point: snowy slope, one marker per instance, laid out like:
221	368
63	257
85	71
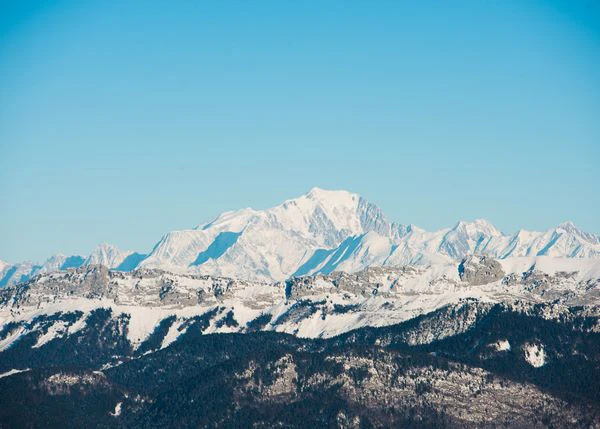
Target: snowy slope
319	232
269	244
316	306
324	231
104	254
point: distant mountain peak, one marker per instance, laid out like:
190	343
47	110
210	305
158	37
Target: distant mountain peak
475	229
317	232
405	229
108	255
106	246
327	199
329	194
568	226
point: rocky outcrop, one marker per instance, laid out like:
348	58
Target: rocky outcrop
479	270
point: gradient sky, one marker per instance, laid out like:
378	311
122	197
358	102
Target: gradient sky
122	121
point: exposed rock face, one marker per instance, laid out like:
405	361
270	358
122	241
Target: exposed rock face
479	270
110	349
313	306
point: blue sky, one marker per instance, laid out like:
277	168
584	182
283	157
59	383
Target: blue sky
122	121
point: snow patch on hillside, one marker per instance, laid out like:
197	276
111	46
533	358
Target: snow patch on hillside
502	345
535	355
13	372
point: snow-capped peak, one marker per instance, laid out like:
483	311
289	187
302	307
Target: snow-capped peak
271	243
331	197
295	214
478	226
571	229
319	214
108	255
320	230
233	219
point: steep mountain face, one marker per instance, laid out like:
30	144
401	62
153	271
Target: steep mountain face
269	244
106	255
324	231
320	232
465	238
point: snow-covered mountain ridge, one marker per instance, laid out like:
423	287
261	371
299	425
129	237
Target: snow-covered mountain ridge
320	232
313	306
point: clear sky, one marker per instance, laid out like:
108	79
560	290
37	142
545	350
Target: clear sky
122	121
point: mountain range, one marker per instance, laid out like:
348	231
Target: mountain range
318	312
479	343
320	232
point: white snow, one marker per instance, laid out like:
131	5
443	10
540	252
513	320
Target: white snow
56	330
535	355
142	322
108	255
77	326
502	345
13	371
321	231
402	294
11	338
272	244
172	334
117	411
59	329
586	268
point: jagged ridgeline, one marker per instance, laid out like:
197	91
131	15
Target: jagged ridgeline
481	342
320	232
315	313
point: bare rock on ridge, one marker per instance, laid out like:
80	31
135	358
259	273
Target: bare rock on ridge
479	270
